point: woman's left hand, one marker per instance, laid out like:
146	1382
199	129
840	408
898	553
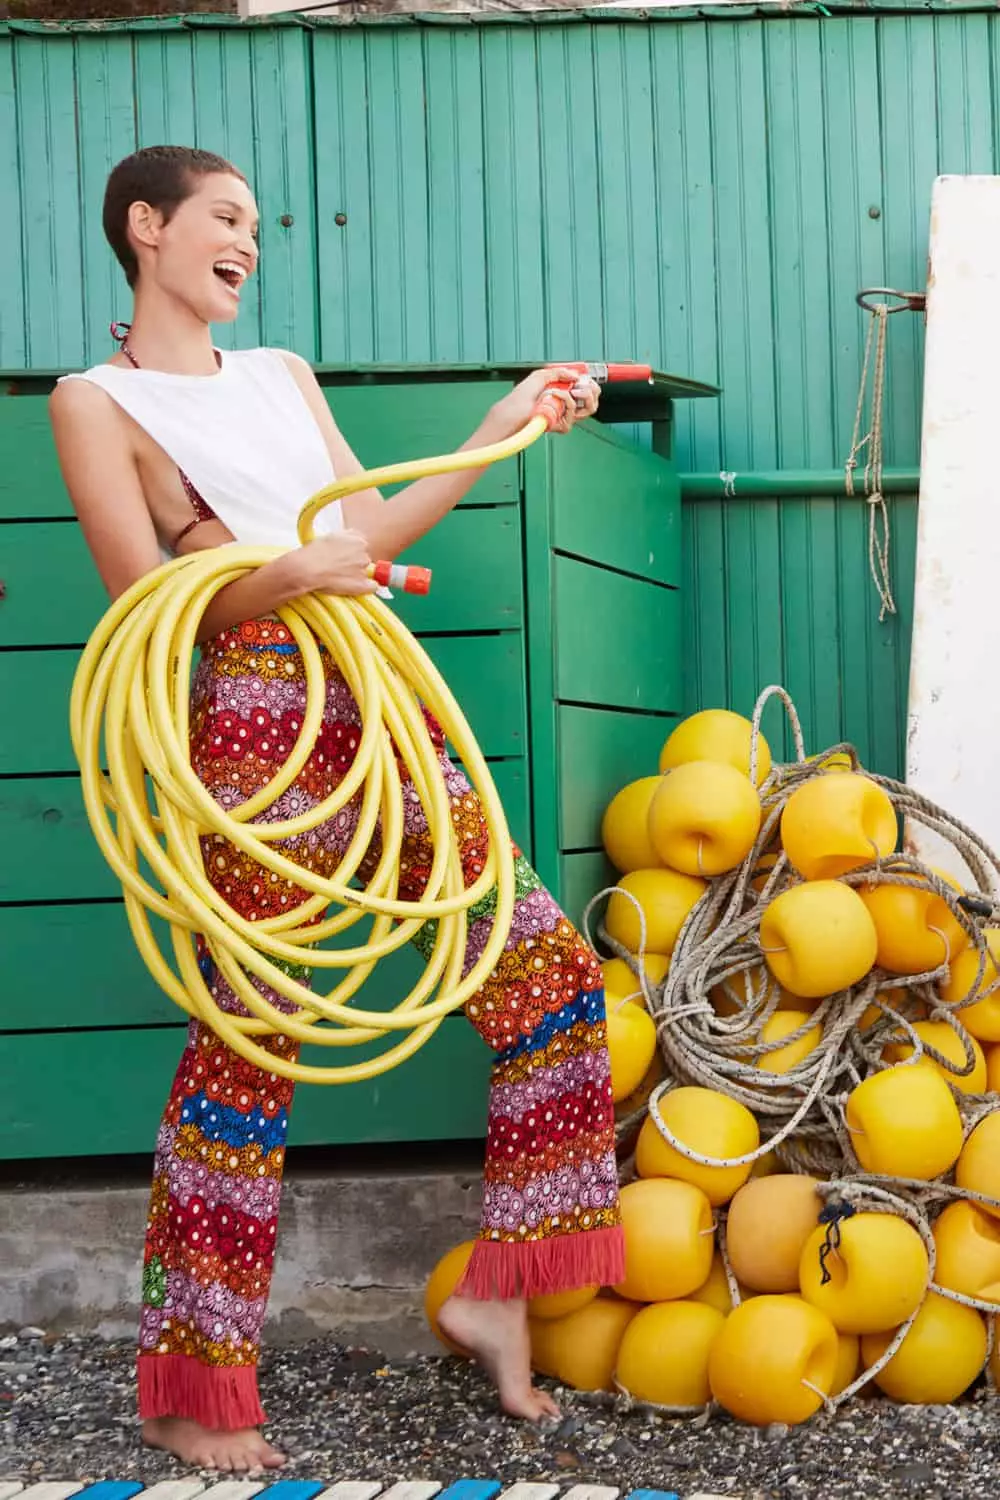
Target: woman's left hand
513	411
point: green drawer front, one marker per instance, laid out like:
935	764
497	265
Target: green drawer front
485	673
599	753
55	598
64	966
73	966
616	505
476	559
390	424
104	1093
581	876
49	852
30	482
616	639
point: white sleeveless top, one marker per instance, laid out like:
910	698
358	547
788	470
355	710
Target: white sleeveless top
245	438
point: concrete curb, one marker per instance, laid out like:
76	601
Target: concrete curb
354	1253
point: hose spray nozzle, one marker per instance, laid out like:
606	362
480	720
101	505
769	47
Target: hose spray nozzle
549	406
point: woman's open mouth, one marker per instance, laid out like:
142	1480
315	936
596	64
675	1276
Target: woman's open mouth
232	274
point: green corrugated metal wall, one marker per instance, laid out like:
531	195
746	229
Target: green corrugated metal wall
708	195
780	591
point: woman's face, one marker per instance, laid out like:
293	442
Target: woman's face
204	254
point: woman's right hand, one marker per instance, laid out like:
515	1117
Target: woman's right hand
337	564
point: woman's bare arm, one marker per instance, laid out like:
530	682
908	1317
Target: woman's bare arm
100	473
392	526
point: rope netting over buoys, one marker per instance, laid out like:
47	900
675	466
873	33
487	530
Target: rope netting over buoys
874	1088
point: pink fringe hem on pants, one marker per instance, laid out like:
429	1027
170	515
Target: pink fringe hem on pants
536	1268
221	1397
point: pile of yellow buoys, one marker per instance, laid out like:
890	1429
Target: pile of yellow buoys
804	1038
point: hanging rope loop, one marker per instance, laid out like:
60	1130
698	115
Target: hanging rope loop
871	446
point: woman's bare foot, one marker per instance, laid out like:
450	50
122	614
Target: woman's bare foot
496	1334
239	1452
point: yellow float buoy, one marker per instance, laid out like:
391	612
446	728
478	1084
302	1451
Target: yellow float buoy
637	1100
710	1123
784	1023
833	824
664	1353
978	1169
773	1360
901	1000
560	1304
714	1291
441	1283
581	1350
624	831
806	1003
834	764
943	1038
818	937
669	1240
631	1044
905	1123
968	1251
878	1273
666	898
848	1362
916	929
704	818
938	1359
982	1018
755	987
993	1070
619	977
769	1221
716	734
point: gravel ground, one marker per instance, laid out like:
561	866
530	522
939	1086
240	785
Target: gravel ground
66	1412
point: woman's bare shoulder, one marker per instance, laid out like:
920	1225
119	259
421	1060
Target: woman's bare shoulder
299	368
77	396
292	360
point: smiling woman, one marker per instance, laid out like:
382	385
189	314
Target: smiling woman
173	446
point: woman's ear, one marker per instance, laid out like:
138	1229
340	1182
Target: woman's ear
144	224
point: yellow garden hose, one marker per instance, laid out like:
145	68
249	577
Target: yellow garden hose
150	810
133	681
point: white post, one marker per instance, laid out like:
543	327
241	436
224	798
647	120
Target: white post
953	728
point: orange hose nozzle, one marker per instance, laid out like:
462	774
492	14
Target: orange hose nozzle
409	579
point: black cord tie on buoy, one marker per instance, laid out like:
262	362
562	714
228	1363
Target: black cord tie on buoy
831	1215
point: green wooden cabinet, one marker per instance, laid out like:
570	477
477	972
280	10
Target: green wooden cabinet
554	616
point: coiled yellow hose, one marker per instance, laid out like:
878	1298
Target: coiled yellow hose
133	683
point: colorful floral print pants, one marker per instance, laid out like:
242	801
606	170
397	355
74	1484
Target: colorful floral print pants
550	1217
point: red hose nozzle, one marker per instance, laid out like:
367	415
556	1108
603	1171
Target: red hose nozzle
611	374
549	406
409	579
